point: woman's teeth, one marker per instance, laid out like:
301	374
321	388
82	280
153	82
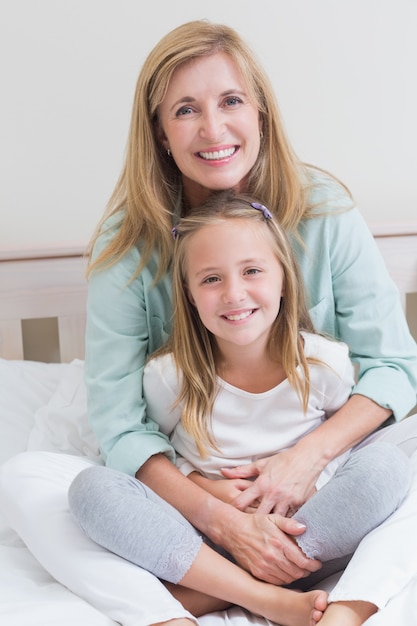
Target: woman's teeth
217	154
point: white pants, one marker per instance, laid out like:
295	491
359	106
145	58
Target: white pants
386	559
33	488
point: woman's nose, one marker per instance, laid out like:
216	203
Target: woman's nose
212	125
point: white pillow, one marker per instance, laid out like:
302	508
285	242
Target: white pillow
62	424
24	387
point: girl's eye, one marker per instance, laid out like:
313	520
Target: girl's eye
210	279
253	270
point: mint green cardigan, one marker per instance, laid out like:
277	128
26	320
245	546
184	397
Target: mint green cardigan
351	297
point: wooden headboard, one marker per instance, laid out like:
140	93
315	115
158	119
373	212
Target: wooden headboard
398	243
39	285
51	284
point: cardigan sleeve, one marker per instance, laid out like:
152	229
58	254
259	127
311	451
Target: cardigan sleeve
126	321
370	318
353	298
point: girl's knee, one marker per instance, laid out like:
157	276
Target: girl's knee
96	487
85	486
386	464
86	483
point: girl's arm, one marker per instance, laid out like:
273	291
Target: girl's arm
226	490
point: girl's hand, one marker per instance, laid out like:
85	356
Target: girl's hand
283	482
227	490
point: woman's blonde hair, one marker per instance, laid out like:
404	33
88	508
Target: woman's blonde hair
193	346
149	186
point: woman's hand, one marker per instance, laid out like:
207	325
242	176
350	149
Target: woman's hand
227	490
283	482
262	544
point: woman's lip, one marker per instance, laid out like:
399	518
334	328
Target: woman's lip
218	154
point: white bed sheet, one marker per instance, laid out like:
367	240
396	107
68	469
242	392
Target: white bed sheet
28	594
43	407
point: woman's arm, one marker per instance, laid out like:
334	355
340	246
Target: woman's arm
352	298
126	321
260	543
286	480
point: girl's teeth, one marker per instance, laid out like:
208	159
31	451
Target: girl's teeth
236	318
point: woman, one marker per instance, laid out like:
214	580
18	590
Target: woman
205	119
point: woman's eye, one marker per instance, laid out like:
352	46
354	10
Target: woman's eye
184	111
233	100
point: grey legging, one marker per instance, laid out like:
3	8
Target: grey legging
126	517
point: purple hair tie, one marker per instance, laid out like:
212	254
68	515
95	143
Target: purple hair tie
260	207
174	232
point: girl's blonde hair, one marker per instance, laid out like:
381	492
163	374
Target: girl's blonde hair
193	346
149	186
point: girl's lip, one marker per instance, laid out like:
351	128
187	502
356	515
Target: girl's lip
238	316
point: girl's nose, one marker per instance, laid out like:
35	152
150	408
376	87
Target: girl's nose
234	292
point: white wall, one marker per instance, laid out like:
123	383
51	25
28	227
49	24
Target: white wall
344	72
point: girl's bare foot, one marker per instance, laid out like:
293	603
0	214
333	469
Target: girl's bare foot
353	613
289	608
293	608
229	583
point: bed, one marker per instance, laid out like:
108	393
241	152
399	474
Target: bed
43	407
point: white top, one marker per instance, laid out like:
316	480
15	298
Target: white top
248	426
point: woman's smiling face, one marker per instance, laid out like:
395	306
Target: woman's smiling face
210	125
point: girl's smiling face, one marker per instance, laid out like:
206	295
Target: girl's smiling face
210	125
235	281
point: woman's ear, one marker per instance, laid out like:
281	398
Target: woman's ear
160	135
261	126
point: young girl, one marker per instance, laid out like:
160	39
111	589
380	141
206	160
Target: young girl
243	377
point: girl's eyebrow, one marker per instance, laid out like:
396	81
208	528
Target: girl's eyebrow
250	261
206	270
